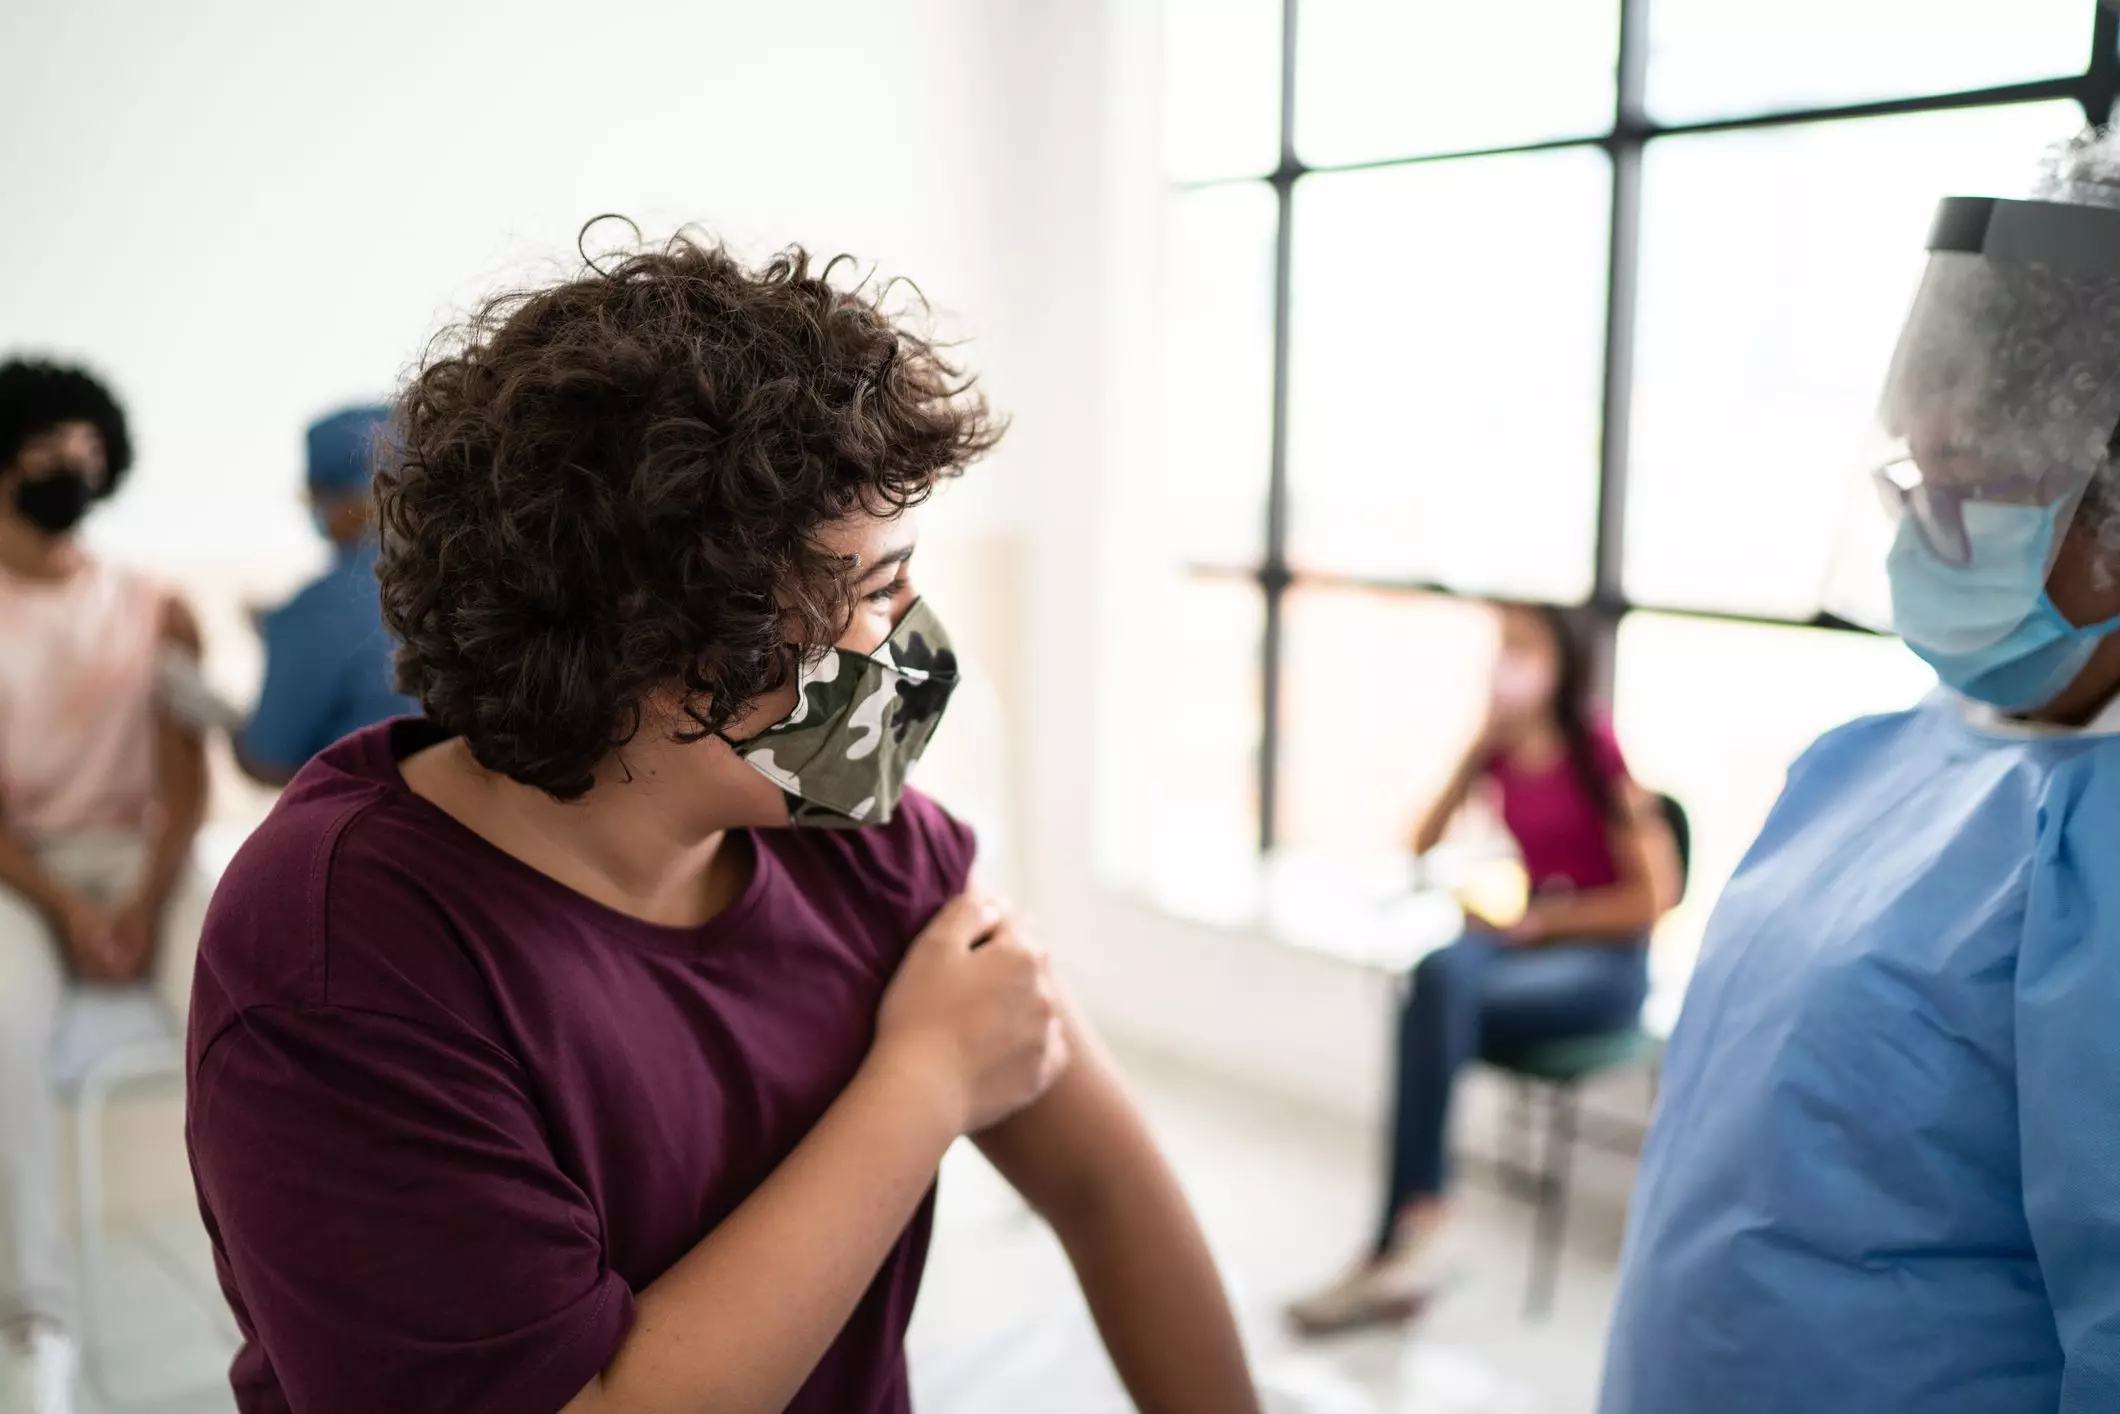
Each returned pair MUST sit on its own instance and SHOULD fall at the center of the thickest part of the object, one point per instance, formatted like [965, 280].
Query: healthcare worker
[1885, 1175]
[327, 656]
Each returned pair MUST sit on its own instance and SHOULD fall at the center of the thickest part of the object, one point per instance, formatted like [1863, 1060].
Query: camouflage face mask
[858, 726]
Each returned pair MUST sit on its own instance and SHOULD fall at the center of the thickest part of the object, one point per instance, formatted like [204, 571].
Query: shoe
[54, 1364]
[1374, 1293]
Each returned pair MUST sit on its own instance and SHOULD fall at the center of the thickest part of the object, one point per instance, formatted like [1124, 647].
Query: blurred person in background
[327, 655]
[1885, 1170]
[1601, 868]
[591, 1043]
[101, 794]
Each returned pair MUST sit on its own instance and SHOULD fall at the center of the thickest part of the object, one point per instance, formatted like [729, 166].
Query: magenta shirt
[1566, 842]
[447, 1116]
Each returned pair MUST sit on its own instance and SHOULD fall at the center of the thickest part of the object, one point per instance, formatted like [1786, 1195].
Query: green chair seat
[1580, 1057]
[1555, 1073]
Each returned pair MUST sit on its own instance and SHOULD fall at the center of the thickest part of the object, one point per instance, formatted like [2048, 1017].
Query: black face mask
[54, 504]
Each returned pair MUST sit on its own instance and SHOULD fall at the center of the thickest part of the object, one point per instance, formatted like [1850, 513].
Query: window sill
[1372, 914]
[1365, 911]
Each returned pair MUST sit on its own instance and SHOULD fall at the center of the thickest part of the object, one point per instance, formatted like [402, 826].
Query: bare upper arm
[1062, 1150]
[179, 634]
[1643, 848]
[1079, 1139]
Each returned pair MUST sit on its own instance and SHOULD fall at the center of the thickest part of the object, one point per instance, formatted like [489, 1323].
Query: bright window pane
[1714, 713]
[1217, 405]
[1391, 80]
[1379, 694]
[1776, 268]
[1447, 376]
[1711, 59]
[1221, 88]
[1179, 814]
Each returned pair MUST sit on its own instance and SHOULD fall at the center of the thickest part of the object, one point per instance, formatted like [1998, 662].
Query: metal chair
[148, 1055]
[1551, 1077]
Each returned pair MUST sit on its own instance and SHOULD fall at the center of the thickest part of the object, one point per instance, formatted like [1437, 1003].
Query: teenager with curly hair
[591, 1044]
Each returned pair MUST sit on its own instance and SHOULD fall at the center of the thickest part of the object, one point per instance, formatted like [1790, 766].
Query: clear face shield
[1998, 413]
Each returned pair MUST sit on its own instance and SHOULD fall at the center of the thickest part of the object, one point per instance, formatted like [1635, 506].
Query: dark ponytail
[1571, 703]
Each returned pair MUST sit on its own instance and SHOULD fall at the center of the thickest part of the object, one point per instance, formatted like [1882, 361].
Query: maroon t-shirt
[1564, 837]
[448, 1115]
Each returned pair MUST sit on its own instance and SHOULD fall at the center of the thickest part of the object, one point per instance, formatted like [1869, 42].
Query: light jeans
[40, 1006]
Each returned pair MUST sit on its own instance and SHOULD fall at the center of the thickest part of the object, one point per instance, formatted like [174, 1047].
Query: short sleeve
[304, 663]
[2068, 1079]
[950, 845]
[393, 1219]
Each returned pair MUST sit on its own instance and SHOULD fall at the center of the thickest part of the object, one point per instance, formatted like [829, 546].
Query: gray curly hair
[2019, 363]
[2085, 171]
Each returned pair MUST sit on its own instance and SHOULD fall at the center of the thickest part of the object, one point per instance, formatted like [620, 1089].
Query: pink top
[1565, 840]
[77, 703]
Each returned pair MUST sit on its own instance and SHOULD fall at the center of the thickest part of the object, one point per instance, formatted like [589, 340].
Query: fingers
[1007, 939]
[976, 913]
[130, 952]
[110, 947]
[112, 951]
[966, 920]
[1039, 965]
[103, 936]
[1002, 936]
[1058, 1054]
[90, 950]
[98, 963]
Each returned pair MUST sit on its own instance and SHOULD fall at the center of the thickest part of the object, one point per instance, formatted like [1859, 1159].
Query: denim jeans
[1479, 996]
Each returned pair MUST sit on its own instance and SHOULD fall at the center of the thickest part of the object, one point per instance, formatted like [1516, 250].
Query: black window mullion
[2101, 86]
[1633, 129]
[1273, 574]
[1630, 126]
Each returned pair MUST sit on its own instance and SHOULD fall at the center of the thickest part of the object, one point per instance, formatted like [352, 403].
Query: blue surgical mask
[1988, 627]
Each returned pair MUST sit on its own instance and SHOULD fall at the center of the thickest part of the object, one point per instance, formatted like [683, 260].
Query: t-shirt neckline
[419, 734]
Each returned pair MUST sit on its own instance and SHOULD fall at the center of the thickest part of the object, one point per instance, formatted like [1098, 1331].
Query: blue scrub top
[1885, 1171]
[327, 666]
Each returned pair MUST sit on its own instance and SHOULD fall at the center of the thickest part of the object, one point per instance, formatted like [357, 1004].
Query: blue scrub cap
[343, 447]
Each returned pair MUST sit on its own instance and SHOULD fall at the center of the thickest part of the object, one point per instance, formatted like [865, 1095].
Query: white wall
[245, 210]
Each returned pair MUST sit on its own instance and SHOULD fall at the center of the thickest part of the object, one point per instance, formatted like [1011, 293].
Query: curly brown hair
[613, 486]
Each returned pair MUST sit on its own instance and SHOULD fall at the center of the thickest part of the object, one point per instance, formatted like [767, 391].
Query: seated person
[590, 1045]
[101, 794]
[327, 656]
[1602, 868]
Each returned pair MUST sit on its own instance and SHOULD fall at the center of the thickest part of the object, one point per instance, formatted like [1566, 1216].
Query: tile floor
[1284, 1194]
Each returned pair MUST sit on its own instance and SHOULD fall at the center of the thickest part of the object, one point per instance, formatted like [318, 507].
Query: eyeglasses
[1937, 511]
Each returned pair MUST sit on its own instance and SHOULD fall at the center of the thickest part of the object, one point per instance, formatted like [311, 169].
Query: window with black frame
[1576, 301]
